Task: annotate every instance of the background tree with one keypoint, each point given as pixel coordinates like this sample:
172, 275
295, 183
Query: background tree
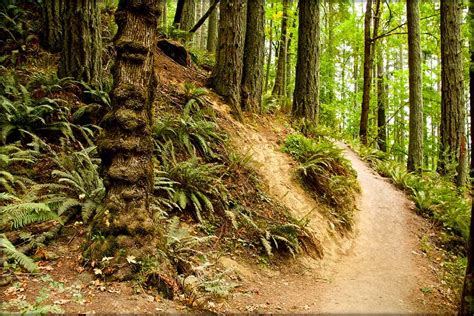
51, 25
188, 16
252, 78
81, 54
279, 88
415, 147
306, 94
126, 146
381, 101
369, 41
227, 74
452, 137
212, 31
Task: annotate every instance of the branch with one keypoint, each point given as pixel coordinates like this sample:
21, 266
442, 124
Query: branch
397, 27
204, 17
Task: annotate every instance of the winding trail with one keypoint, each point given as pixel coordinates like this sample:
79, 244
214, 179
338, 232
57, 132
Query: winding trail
379, 269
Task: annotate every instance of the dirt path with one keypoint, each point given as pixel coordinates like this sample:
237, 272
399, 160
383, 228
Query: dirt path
382, 270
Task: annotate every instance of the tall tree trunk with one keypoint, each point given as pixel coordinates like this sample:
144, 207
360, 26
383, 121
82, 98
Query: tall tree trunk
81, 54
381, 102
212, 31
279, 89
51, 32
227, 74
269, 58
203, 37
126, 147
199, 12
306, 94
252, 77
188, 17
453, 138
368, 61
179, 13
415, 145
164, 14
467, 300
331, 52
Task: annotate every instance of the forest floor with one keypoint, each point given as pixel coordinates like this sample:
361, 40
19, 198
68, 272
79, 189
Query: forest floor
378, 268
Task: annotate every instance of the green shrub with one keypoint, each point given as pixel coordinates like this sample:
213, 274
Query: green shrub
434, 196
327, 174
197, 186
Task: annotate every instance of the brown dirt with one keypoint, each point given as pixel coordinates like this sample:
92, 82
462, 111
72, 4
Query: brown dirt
378, 270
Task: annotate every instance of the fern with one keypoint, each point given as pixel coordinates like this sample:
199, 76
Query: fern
196, 186
12, 253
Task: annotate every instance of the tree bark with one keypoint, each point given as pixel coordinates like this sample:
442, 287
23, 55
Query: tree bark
279, 89
269, 58
81, 54
252, 77
415, 141
126, 146
212, 31
306, 94
227, 75
188, 15
51, 32
179, 13
381, 102
452, 138
368, 62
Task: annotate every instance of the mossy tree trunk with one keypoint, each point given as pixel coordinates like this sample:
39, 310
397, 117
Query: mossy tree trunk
306, 94
126, 146
81, 53
452, 139
212, 31
279, 88
227, 74
467, 299
415, 141
252, 78
51, 26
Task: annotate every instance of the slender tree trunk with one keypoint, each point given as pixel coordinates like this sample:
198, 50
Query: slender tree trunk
212, 31
453, 138
227, 75
368, 62
252, 78
126, 147
331, 52
415, 145
381, 102
467, 300
179, 13
81, 54
164, 15
203, 37
269, 58
199, 12
51, 32
279, 87
306, 94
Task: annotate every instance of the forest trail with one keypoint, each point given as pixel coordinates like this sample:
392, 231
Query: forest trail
379, 269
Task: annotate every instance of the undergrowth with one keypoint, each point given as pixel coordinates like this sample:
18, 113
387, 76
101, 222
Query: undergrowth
327, 174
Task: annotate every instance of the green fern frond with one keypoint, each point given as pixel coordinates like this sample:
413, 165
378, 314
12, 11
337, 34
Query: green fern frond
12, 253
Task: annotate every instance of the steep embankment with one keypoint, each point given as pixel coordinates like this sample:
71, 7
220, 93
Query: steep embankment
379, 270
